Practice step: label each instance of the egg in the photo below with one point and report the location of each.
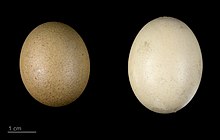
(54, 64)
(165, 65)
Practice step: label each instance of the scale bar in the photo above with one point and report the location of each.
(22, 131)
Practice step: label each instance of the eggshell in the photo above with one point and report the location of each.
(165, 65)
(54, 64)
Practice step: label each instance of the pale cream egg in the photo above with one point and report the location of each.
(165, 65)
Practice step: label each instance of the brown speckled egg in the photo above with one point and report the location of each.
(54, 64)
